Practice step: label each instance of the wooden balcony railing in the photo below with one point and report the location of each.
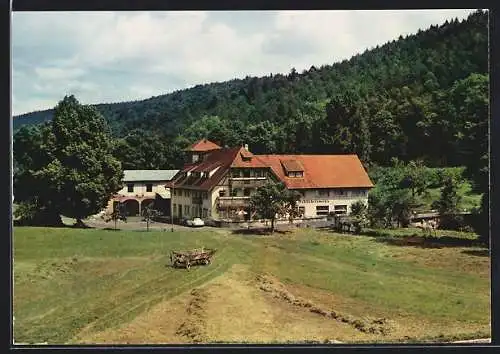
(225, 202)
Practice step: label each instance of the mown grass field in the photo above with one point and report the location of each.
(70, 285)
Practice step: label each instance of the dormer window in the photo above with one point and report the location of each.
(246, 155)
(293, 168)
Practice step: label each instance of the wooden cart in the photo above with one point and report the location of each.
(193, 257)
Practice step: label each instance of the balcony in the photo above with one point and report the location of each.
(232, 202)
(242, 182)
(260, 178)
(197, 200)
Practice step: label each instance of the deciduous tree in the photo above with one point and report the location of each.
(76, 174)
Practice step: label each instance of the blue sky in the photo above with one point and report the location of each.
(118, 56)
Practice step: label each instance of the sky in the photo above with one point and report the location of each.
(104, 57)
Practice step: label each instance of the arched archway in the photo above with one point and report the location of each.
(132, 207)
(147, 202)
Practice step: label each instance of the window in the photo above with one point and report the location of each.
(205, 212)
(340, 209)
(302, 210)
(130, 188)
(235, 192)
(205, 195)
(322, 210)
(186, 209)
(222, 193)
(247, 191)
(246, 173)
(341, 192)
(296, 174)
(175, 192)
(149, 187)
(188, 193)
(246, 181)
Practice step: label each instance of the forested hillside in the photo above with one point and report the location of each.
(424, 96)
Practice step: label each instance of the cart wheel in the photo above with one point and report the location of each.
(207, 261)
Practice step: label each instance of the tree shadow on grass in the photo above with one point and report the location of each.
(478, 253)
(413, 239)
(19, 223)
(428, 241)
(81, 226)
(261, 231)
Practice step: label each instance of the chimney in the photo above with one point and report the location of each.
(246, 147)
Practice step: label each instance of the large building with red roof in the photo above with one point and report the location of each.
(218, 182)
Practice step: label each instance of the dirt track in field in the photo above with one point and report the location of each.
(231, 308)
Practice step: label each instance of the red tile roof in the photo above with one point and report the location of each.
(222, 158)
(245, 158)
(203, 145)
(321, 171)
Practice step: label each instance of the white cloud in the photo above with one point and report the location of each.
(55, 73)
(114, 56)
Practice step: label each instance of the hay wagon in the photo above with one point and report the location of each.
(188, 258)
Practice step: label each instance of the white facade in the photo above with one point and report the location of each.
(321, 202)
(313, 203)
(141, 192)
(144, 189)
(187, 200)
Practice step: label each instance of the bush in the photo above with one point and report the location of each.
(455, 173)
(30, 214)
(452, 222)
(434, 177)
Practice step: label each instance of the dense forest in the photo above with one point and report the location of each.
(423, 96)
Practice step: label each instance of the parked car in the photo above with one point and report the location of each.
(196, 222)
